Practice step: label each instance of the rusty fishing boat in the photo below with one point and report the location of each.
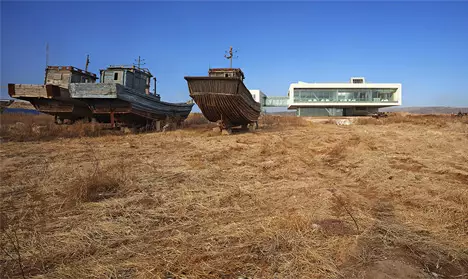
(123, 95)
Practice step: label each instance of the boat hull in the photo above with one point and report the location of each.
(50, 99)
(105, 98)
(224, 99)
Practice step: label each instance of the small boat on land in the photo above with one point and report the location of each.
(223, 98)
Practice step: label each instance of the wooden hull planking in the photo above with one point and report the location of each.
(106, 98)
(50, 99)
(224, 99)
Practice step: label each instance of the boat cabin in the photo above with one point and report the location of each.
(226, 72)
(62, 76)
(138, 79)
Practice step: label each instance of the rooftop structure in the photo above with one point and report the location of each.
(226, 72)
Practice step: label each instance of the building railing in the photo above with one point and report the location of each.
(275, 101)
(355, 100)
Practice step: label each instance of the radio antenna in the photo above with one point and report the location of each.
(87, 62)
(229, 55)
(140, 62)
(47, 54)
(46, 61)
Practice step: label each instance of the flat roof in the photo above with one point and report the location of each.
(344, 85)
(72, 69)
(128, 67)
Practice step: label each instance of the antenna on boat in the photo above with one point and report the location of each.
(87, 62)
(47, 54)
(230, 56)
(46, 61)
(140, 62)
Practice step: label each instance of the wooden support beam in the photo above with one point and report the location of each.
(112, 120)
(158, 125)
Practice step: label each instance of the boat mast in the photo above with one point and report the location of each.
(87, 62)
(46, 62)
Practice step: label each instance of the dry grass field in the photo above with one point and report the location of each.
(383, 198)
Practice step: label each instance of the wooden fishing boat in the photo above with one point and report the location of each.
(53, 96)
(123, 95)
(223, 98)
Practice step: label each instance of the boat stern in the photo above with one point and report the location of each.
(25, 91)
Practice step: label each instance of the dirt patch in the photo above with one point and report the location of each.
(408, 164)
(393, 269)
(334, 227)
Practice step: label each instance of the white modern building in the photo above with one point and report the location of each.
(257, 95)
(353, 98)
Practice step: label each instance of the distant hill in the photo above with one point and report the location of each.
(427, 110)
(20, 104)
(17, 106)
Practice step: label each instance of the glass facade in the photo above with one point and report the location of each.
(335, 111)
(371, 95)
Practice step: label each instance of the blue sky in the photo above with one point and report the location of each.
(423, 45)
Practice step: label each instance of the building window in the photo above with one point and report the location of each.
(116, 76)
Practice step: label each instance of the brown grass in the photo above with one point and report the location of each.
(271, 121)
(99, 185)
(297, 201)
(196, 119)
(27, 127)
(415, 119)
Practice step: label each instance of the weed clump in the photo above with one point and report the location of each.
(95, 188)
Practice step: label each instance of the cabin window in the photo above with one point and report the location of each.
(116, 76)
(226, 75)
